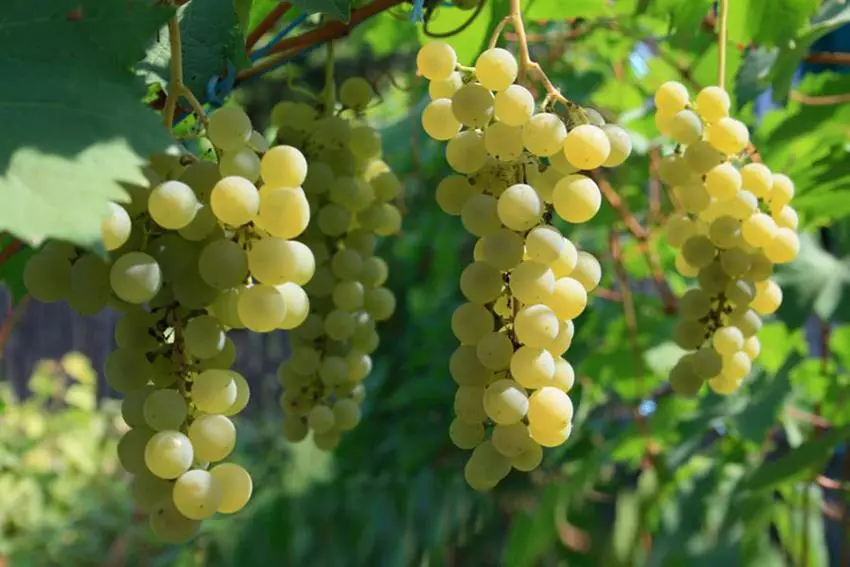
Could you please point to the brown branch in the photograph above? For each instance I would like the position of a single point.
(13, 248)
(13, 316)
(330, 31)
(828, 58)
(268, 23)
(629, 311)
(654, 187)
(822, 100)
(642, 236)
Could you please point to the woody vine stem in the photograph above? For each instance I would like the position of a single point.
(721, 43)
(527, 66)
(176, 87)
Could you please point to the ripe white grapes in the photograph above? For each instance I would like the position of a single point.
(736, 225)
(199, 251)
(352, 191)
(515, 167)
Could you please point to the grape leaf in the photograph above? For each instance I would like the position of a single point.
(212, 37)
(336, 9)
(558, 9)
(799, 463)
(816, 282)
(243, 13)
(74, 107)
(752, 78)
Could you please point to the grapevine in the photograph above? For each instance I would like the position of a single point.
(351, 190)
(517, 164)
(735, 225)
(199, 251)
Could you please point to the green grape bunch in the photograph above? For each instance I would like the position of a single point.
(352, 191)
(734, 225)
(205, 247)
(516, 164)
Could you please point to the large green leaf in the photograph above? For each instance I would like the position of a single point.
(816, 282)
(832, 15)
(72, 113)
(336, 9)
(799, 463)
(768, 22)
(212, 37)
(535, 531)
(768, 398)
(559, 10)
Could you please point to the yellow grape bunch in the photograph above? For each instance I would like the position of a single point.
(515, 162)
(205, 247)
(735, 224)
(351, 189)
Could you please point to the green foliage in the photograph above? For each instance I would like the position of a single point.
(74, 107)
(211, 36)
(336, 9)
(707, 480)
(54, 447)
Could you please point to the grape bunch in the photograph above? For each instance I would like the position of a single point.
(351, 189)
(199, 251)
(514, 165)
(736, 224)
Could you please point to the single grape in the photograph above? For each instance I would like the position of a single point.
(355, 93)
(168, 454)
(466, 152)
(229, 128)
(283, 166)
(519, 207)
(514, 105)
(243, 162)
(436, 60)
(496, 68)
(135, 277)
(671, 97)
(213, 437)
(577, 198)
(713, 103)
(439, 121)
(445, 88)
(197, 494)
(503, 142)
(505, 402)
(685, 127)
(621, 145)
(544, 134)
(235, 201)
(728, 135)
(115, 227)
(587, 147)
(472, 105)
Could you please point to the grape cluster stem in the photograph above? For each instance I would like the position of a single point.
(176, 87)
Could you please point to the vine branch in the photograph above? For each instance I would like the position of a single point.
(642, 237)
(13, 248)
(176, 87)
(330, 31)
(721, 43)
(268, 23)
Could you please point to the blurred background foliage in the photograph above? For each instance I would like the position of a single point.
(759, 479)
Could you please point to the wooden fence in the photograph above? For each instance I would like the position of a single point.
(51, 330)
